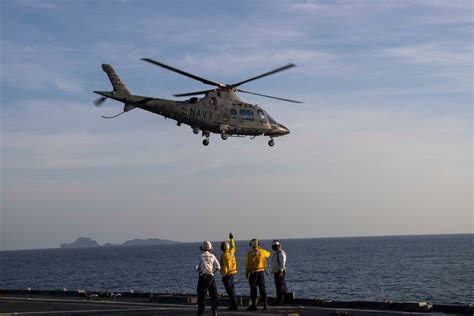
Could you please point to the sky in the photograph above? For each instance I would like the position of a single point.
(381, 146)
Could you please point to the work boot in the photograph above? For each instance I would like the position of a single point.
(252, 308)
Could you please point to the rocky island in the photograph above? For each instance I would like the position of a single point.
(81, 242)
(85, 242)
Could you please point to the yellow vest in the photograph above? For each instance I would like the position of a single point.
(256, 260)
(228, 262)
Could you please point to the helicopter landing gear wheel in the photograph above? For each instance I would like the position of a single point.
(224, 136)
(205, 141)
(271, 142)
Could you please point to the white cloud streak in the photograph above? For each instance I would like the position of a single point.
(445, 54)
(36, 68)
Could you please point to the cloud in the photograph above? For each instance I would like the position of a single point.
(124, 55)
(39, 68)
(383, 23)
(248, 32)
(60, 134)
(339, 6)
(454, 4)
(444, 54)
(43, 5)
(249, 64)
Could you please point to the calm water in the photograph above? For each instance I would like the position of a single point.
(438, 269)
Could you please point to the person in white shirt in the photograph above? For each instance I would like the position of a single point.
(207, 264)
(279, 271)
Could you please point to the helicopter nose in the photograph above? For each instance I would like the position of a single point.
(283, 129)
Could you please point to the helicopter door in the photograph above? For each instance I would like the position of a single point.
(233, 114)
(247, 119)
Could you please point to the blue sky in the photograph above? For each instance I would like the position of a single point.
(382, 144)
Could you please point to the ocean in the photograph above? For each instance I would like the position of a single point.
(434, 268)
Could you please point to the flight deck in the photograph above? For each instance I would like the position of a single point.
(20, 302)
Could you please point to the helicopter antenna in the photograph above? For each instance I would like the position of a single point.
(111, 117)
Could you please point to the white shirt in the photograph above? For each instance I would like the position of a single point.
(278, 261)
(207, 263)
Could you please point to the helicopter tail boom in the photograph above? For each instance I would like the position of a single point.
(120, 91)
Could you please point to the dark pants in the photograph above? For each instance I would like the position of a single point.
(257, 279)
(280, 285)
(206, 283)
(230, 289)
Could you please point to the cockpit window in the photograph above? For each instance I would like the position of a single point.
(233, 113)
(271, 120)
(262, 116)
(246, 115)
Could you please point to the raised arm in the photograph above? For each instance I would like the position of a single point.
(232, 243)
(264, 252)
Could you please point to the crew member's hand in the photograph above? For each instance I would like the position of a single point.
(279, 274)
(231, 236)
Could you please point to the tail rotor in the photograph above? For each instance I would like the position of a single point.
(98, 102)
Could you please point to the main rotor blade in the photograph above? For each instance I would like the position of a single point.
(269, 96)
(264, 75)
(212, 83)
(192, 93)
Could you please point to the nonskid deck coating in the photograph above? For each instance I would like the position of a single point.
(53, 303)
(34, 306)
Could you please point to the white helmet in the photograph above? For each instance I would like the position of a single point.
(206, 246)
(276, 245)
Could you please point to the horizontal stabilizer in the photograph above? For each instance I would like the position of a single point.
(136, 100)
(106, 94)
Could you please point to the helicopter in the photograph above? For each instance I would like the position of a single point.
(220, 111)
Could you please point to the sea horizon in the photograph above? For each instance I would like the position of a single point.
(118, 243)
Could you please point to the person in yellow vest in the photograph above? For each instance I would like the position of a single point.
(255, 264)
(228, 270)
